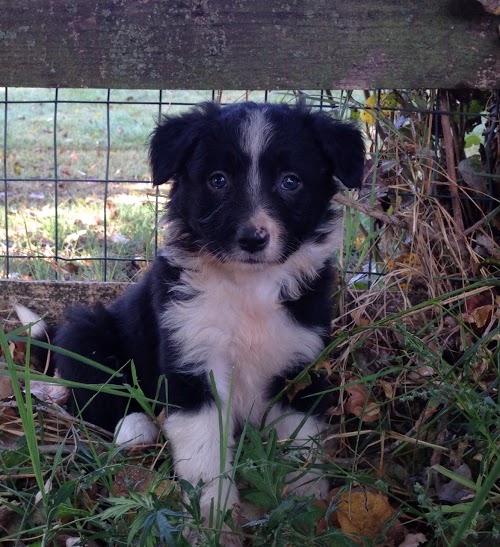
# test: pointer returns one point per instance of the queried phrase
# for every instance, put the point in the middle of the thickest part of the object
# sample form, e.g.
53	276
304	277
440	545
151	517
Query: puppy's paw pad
136	428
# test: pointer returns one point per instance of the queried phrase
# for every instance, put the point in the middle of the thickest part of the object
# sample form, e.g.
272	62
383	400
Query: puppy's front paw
213	507
308	484
136	428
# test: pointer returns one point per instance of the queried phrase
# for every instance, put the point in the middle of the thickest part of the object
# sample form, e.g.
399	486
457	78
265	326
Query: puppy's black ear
174	140
343	145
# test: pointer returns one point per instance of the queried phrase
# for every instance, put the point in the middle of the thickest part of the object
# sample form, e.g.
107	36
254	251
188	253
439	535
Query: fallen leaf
453	491
49	392
359	318
18	352
294	387
421	374
413	540
5	385
7	514
480	316
491	6
388	389
359	404
479	309
364	513
321	525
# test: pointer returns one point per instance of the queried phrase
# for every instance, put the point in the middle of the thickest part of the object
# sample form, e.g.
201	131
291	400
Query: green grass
420	348
69	141
128	224
427	431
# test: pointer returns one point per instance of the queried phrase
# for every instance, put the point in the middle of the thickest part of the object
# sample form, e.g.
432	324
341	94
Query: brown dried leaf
359	318
360	405
491	6
5	385
294	387
421	374
388	389
6	514
371	412
479	309
480	316
18	352
363	513
141	480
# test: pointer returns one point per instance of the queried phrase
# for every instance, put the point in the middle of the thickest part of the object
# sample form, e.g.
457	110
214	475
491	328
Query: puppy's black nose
252	238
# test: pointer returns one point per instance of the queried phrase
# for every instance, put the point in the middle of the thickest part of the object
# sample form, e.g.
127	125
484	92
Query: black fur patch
281	192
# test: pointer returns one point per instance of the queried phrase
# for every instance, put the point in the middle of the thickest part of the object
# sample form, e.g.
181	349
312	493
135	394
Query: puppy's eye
291	183
217	181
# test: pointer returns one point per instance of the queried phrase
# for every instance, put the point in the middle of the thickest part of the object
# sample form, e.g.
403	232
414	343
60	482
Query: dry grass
415	361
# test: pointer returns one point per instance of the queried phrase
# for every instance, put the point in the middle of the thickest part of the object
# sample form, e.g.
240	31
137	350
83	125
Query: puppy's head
252	182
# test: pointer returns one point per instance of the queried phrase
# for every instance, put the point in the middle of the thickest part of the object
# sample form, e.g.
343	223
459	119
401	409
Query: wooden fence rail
249	44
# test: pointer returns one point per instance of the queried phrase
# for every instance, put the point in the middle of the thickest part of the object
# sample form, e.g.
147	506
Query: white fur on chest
232	323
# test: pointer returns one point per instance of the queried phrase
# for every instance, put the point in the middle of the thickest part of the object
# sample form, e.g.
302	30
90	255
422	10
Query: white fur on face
304	264
255	135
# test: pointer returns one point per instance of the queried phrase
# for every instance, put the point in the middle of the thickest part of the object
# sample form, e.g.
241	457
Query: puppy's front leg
195	439
291	424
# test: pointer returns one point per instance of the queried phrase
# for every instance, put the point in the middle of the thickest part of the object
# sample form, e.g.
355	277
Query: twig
482	221
450	164
370	211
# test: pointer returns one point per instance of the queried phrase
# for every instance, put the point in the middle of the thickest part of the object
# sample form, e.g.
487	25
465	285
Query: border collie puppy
239	295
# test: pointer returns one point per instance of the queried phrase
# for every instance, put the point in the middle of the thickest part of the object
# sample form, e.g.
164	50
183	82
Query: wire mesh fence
78	204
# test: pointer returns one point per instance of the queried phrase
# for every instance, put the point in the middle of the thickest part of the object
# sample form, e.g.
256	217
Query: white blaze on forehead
255	135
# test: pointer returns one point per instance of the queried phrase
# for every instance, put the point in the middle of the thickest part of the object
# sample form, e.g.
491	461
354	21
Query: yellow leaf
368	115
363	513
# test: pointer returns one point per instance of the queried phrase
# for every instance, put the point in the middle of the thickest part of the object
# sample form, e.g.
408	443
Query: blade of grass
25	408
477	504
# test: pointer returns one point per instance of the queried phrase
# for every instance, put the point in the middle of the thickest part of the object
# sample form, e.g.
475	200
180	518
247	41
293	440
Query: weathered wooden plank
248	44
50	298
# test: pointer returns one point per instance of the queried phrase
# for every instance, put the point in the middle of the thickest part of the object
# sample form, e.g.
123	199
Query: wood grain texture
248	44
51	298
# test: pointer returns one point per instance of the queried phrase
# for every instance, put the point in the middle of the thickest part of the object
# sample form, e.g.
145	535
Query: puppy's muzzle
252	239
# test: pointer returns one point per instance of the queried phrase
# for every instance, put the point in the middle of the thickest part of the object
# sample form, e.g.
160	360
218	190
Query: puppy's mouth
268	255
255	258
